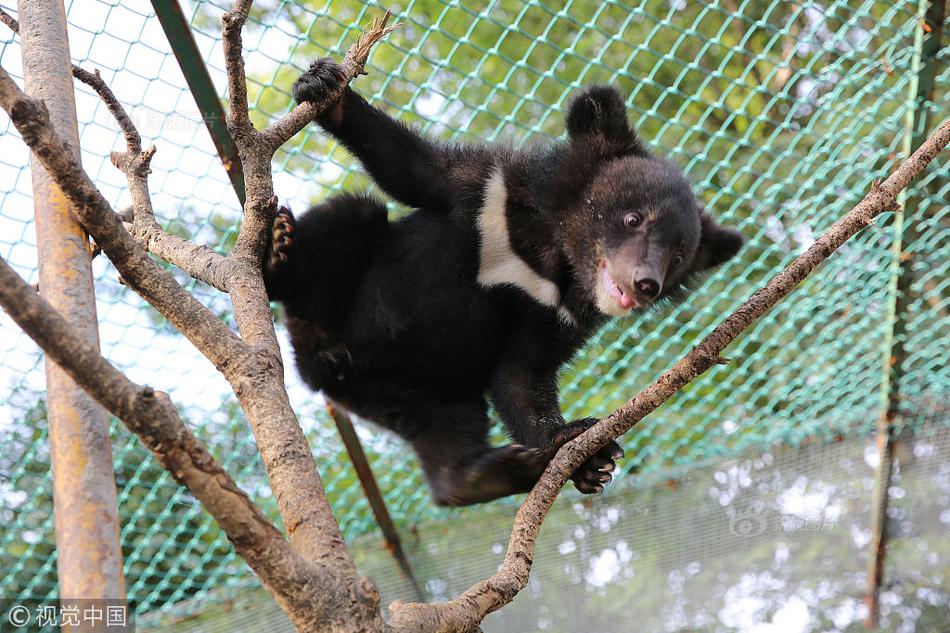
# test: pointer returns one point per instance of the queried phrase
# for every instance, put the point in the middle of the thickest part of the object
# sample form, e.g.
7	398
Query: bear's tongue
614	290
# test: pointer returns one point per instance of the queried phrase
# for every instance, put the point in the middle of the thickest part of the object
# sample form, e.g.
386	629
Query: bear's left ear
598	115
717	244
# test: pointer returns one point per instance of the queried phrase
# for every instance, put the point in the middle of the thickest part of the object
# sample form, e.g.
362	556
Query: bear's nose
649	288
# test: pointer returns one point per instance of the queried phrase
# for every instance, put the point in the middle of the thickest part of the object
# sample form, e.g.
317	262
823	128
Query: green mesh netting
781	113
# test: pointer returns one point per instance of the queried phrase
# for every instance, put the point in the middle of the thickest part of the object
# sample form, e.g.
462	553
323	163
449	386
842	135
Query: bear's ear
597	114
717	244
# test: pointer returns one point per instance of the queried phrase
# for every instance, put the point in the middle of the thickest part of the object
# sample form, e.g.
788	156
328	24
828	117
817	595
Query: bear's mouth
612	298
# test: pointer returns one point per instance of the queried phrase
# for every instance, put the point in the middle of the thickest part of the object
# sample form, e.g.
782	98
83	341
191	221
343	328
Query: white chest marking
498	262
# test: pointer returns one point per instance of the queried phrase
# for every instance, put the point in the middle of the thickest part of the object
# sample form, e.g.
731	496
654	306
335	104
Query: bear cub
510	261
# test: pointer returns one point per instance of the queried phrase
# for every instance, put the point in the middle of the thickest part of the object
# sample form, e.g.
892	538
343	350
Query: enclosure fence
781	114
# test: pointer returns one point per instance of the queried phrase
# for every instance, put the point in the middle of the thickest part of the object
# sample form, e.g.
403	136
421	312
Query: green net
781	113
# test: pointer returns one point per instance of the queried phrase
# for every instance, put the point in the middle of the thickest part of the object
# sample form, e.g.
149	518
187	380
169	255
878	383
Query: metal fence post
373	495
906	229
89	558
183	45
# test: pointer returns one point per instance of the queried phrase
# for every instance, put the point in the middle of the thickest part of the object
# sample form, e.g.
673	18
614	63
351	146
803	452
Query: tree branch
467	611
92	79
283	447
212	337
200	262
232	22
284	450
153	418
353	66
252	365
10	21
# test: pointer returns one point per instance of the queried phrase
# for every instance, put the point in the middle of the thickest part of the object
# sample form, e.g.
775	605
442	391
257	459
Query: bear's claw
281	239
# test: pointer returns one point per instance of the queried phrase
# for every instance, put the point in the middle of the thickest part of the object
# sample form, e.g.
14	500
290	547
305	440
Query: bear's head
644	233
632	228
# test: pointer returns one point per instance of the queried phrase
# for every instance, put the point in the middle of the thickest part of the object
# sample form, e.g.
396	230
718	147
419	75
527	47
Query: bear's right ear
598	114
717	244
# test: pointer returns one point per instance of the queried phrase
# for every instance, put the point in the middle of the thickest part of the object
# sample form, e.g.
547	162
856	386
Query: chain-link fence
781	113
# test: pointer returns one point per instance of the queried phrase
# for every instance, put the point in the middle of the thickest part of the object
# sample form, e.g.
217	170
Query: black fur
390	320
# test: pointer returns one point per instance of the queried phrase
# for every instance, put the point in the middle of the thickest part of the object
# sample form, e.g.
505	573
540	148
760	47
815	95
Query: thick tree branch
253	366
285	452
340	600
280	440
466	612
153	418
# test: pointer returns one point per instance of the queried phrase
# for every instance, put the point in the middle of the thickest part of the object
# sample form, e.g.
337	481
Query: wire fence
781	113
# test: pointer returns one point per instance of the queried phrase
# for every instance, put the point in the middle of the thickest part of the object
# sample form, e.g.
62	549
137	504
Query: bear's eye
632	220
677	259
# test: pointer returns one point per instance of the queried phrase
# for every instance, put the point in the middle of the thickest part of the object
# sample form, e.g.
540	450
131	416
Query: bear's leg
463	469
449	436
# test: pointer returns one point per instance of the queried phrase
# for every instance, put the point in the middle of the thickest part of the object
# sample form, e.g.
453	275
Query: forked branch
154	419
316	581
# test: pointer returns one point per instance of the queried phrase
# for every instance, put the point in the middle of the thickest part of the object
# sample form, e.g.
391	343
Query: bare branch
10	21
212	337
341	598
283	447
94	81
153	418
353	65
239	123
197	260
258	148
467	611
200	262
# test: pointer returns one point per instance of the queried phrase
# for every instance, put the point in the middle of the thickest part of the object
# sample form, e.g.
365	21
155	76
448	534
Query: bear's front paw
323	77
594	474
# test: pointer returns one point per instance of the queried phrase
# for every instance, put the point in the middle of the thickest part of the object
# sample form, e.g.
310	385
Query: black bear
510	261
